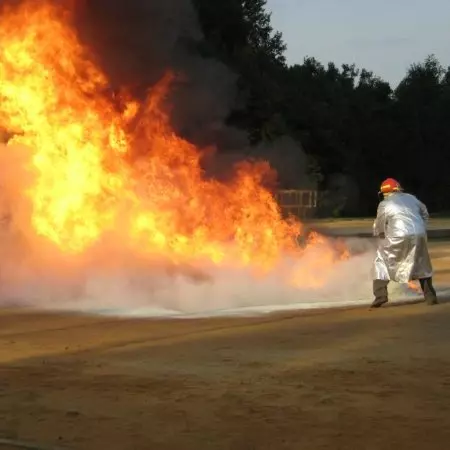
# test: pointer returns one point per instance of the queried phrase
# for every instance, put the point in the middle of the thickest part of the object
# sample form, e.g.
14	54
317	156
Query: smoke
137	41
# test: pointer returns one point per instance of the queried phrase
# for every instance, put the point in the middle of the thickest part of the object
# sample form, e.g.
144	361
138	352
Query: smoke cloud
137	41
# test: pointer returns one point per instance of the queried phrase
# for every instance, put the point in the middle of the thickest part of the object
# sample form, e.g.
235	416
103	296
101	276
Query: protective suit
402	254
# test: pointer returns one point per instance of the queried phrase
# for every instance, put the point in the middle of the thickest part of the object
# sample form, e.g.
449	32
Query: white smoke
110	279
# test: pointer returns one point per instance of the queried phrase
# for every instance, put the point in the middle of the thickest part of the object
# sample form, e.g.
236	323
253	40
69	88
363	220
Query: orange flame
53	94
414	286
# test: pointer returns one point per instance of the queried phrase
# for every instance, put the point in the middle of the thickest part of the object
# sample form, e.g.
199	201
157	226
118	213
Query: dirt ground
354	379
442	223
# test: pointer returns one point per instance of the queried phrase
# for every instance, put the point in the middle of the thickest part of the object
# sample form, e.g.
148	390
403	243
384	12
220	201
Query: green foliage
349	121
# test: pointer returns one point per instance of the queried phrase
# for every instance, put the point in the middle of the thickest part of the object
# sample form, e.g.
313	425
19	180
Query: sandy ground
354	379
437	227
434	223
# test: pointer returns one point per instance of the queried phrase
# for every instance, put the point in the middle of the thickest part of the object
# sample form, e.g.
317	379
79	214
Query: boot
378	302
428	291
380	292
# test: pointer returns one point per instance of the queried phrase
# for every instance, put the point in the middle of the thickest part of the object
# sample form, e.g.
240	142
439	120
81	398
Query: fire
48	92
414	286
84	187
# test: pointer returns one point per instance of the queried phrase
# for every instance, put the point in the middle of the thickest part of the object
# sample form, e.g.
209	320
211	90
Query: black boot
428	291
380	292
380	301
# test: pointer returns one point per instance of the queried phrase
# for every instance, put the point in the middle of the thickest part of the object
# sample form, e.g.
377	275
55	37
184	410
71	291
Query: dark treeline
351	123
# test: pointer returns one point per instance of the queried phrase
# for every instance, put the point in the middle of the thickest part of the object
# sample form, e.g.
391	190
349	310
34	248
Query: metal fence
299	203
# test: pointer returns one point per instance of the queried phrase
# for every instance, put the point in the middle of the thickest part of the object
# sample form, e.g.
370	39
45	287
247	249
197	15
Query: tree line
350	122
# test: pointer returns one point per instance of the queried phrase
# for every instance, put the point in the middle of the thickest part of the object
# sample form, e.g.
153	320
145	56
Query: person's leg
428	290
380	292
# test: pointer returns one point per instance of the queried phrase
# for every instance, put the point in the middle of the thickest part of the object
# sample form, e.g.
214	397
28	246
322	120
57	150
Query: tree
239	33
349	121
419	114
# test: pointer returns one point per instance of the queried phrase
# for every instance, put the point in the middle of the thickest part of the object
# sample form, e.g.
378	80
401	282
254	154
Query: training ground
336	379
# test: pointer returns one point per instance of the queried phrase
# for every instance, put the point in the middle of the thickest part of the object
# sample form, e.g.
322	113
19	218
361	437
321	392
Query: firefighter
402	254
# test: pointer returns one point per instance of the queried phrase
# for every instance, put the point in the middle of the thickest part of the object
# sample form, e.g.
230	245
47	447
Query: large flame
58	102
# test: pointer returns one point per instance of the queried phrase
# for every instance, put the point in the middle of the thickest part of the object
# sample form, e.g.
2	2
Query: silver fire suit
402	253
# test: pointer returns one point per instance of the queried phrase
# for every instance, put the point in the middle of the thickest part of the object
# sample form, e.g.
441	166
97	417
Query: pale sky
384	36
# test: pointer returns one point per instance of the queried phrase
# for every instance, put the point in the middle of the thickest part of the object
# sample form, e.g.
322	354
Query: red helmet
390	185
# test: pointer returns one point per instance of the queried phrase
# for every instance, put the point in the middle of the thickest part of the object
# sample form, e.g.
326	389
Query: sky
384	36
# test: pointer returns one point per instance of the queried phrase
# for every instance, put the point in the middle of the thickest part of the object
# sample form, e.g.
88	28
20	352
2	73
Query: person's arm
379	224
423	211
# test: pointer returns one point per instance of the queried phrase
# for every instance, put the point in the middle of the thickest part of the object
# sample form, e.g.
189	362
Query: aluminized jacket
401	226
